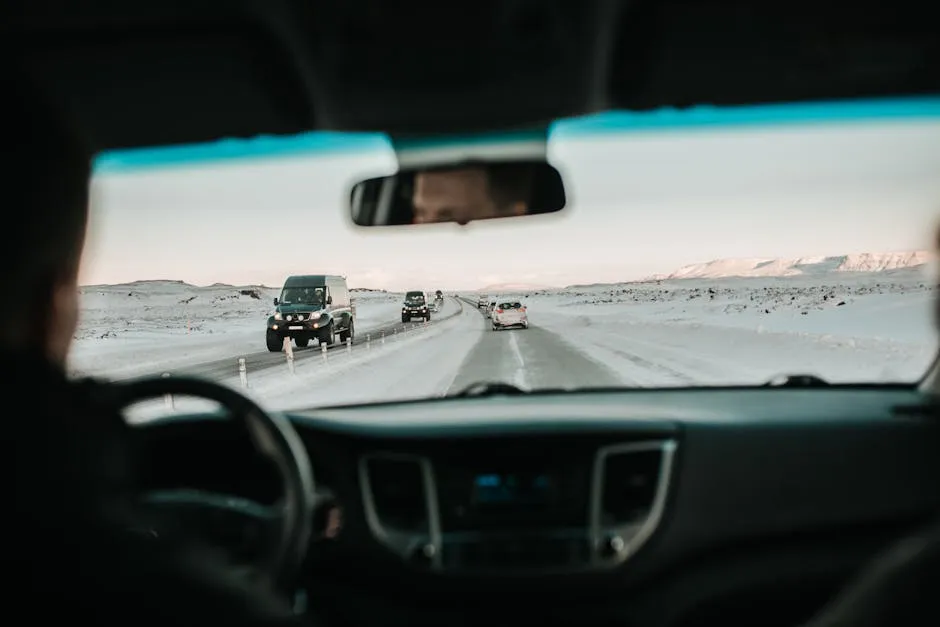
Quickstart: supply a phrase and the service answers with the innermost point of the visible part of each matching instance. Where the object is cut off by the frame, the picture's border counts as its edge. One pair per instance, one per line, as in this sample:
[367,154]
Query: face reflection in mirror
[464,194]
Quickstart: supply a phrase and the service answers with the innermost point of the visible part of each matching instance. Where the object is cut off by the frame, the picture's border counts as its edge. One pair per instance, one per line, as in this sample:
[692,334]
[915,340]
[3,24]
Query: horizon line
[656,276]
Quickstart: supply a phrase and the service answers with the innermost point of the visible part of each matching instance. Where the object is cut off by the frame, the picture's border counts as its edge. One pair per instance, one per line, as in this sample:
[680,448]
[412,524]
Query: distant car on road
[415,306]
[508,314]
[482,301]
[311,307]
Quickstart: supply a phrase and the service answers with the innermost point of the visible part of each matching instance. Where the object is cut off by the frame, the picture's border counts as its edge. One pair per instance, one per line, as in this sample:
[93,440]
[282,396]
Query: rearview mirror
[275,301]
[461,193]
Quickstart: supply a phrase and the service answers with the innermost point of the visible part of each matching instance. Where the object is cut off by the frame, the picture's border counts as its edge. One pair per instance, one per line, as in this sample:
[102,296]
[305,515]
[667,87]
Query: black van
[415,306]
[311,307]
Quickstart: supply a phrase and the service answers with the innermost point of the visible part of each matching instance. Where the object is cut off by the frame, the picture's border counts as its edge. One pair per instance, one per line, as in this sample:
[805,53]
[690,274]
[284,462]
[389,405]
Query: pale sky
[640,203]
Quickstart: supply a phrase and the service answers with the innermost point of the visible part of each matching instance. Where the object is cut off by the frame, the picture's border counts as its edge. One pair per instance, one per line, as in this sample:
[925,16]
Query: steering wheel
[275,439]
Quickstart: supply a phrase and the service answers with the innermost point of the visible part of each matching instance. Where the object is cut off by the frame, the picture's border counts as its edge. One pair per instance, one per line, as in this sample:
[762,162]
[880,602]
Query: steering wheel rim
[274,438]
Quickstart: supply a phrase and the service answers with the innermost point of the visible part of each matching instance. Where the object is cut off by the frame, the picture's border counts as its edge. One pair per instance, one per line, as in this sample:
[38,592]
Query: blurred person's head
[45,183]
[467,193]
[937,299]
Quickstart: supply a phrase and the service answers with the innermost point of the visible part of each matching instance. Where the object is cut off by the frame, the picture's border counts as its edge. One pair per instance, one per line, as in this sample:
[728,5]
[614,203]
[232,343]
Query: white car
[509,313]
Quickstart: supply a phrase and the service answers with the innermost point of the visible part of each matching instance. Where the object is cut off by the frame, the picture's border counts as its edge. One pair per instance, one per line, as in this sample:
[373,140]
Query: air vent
[629,492]
[395,492]
[630,480]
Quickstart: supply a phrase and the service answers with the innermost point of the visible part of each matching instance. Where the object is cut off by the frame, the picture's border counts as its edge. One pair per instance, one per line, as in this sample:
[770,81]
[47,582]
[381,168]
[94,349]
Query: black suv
[311,307]
[415,306]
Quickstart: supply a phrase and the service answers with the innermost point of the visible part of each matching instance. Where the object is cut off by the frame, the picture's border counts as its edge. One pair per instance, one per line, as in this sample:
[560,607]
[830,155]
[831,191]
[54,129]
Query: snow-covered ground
[840,325]
[141,327]
[414,360]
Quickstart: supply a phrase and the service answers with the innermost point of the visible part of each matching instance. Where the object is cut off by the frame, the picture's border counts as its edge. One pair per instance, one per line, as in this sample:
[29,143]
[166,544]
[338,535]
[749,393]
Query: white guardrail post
[168,398]
[289,351]
[243,372]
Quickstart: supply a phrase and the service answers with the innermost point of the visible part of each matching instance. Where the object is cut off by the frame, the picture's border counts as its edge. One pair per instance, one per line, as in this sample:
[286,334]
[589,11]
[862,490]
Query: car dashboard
[640,507]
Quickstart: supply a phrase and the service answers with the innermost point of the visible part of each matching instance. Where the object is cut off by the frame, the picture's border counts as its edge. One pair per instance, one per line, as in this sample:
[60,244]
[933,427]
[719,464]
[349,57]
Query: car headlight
[278,316]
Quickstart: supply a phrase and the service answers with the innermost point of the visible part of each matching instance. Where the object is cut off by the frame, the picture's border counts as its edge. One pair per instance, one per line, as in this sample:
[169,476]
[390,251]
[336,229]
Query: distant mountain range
[802,266]
[719,268]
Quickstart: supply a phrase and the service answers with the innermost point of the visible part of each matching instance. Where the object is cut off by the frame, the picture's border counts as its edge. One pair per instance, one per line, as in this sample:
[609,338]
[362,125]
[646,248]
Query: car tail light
[499,311]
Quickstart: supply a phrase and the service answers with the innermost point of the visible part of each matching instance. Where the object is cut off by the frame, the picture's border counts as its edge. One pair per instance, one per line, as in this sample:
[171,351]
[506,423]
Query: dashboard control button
[612,546]
[423,554]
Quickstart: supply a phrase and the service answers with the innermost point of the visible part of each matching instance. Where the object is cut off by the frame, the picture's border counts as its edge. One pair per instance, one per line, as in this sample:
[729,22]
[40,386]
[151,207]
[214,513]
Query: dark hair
[45,183]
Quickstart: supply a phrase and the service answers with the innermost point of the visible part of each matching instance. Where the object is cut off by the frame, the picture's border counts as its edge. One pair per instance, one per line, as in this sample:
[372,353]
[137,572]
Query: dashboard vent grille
[630,480]
[396,489]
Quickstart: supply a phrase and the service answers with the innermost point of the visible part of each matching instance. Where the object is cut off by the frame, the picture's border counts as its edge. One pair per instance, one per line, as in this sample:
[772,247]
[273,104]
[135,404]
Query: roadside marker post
[243,372]
[289,351]
[383,337]
[323,351]
[348,344]
[168,398]
[368,340]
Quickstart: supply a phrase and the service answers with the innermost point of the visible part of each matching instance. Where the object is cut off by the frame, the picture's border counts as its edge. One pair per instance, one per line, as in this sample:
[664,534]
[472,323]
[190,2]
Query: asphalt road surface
[227,368]
[529,358]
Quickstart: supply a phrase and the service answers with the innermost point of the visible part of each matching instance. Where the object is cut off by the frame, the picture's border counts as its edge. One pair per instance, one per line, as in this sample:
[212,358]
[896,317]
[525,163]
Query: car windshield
[302,296]
[699,247]
[509,306]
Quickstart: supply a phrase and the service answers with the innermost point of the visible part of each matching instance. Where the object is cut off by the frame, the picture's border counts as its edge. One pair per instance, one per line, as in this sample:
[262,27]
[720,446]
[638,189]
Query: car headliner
[165,72]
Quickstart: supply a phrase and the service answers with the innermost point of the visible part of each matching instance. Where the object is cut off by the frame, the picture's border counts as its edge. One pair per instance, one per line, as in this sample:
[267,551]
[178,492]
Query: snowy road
[260,362]
[845,328]
[531,358]
[528,358]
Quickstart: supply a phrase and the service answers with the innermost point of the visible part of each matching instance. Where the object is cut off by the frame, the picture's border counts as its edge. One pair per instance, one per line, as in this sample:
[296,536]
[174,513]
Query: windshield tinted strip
[830,112]
[328,142]
[317,142]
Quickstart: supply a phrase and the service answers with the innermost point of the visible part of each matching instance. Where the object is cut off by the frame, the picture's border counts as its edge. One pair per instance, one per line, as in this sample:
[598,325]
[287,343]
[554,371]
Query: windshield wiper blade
[798,381]
[490,389]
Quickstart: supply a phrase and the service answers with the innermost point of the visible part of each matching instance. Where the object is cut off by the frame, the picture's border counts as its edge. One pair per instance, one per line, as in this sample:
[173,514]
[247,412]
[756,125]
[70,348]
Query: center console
[562,507]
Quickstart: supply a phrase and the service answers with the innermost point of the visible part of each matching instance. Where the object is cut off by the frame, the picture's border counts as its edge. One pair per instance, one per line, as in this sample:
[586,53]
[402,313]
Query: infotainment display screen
[490,498]
[514,487]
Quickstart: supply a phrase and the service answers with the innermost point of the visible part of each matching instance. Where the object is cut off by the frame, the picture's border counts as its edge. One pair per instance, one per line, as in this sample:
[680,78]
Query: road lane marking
[519,376]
